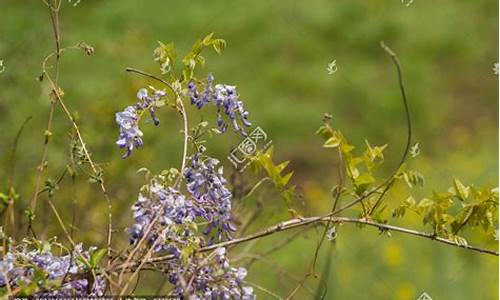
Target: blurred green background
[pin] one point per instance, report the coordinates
(277, 55)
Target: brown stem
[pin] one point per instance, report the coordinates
(300, 222)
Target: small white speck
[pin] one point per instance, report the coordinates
(332, 234)
(495, 68)
(407, 3)
(332, 67)
(424, 296)
(74, 2)
(415, 150)
(2, 67)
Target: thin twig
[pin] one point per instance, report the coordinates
(143, 261)
(300, 222)
(61, 223)
(10, 213)
(334, 206)
(54, 17)
(91, 162)
(312, 267)
(408, 138)
(12, 159)
(182, 110)
(395, 59)
(131, 255)
(133, 70)
(57, 97)
(186, 136)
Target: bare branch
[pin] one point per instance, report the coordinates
(300, 222)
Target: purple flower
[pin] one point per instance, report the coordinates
(225, 99)
(210, 278)
(130, 134)
(162, 212)
(200, 99)
(128, 120)
(150, 102)
(19, 264)
(206, 183)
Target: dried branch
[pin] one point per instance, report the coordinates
(56, 97)
(300, 222)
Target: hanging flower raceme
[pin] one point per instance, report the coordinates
(37, 268)
(209, 277)
(130, 135)
(200, 99)
(162, 217)
(206, 183)
(128, 120)
(150, 102)
(226, 100)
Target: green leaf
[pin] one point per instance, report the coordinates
(375, 152)
(363, 181)
(264, 160)
(461, 191)
(412, 178)
(332, 142)
(4, 198)
(193, 58)
(165, 55)
(96, 257)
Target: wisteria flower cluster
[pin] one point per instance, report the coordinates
(39, 270)
(209, 278)
(206, 183)
(162, 217)
(128, 120)
(165, 219)
(226, 100)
